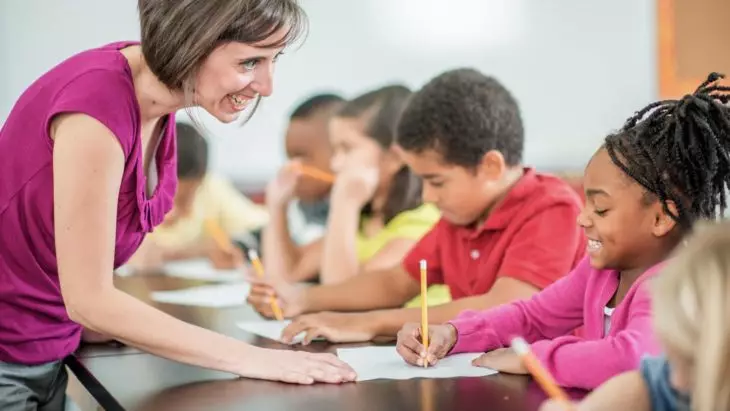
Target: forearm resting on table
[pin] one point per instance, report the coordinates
(368, 291)
(126, 319)
(505, 290)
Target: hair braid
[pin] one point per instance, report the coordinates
(679, 151)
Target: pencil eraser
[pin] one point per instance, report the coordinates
(423, 264)
(252, 254)
(520, 346)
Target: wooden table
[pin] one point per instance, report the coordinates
(123, 378)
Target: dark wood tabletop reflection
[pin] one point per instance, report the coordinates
(124, 378)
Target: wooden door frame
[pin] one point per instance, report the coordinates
(671, 85)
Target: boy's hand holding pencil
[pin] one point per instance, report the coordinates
(258, 268)
(219, 249)
(289, 297)
(223, 258)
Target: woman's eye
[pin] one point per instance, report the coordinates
(250, 64)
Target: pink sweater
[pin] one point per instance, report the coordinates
(548, 319)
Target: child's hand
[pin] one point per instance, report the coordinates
(280, 190)
(289, 297)
(223, 259)
(502, 360)
(557, 405)
(440, 341)
(334, 327)
(356, 183)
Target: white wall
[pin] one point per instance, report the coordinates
(578, 67)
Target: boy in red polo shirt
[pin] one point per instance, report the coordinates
(506, 231)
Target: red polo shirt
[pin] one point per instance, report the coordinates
(532, 236)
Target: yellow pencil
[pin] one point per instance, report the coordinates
(315, 173)
(259, 268)
(539, 373)
(424, 310)
(219, 236)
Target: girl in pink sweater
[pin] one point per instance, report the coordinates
(645, 187)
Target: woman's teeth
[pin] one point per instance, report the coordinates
(239, 103)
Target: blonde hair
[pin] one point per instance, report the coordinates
(692, 313)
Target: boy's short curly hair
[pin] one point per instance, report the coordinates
(463, 114)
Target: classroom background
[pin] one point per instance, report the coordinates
(577, 68)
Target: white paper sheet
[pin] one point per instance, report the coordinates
(267, 329)
(218, 295)
(270, 329)
(373, 363)
(124, 271)
(201, 269)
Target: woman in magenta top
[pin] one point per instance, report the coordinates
(667, 168)
(87, 167)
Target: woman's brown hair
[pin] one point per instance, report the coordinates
(177, 35)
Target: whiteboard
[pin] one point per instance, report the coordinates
(577, 67)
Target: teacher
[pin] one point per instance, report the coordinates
(87, 168)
